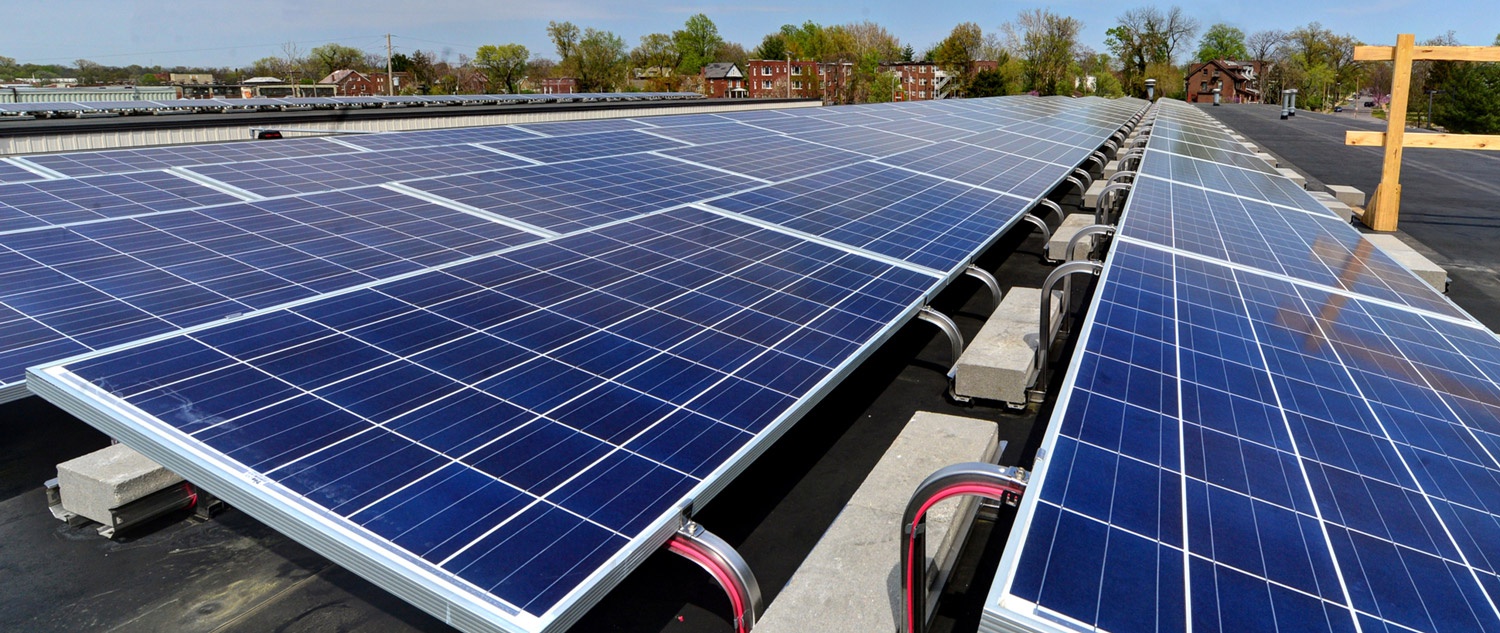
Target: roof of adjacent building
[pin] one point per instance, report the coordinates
(722, 70)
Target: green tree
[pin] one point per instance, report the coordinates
(657, 58)
(564, 36)
(956, 54)
(1222, 41)
(698, 43)
(772, 46)
(1144, 37)
(601, 61)
(1470, 102)
(1045, 41)
(333, 56)
(988, 83)
(504, 65)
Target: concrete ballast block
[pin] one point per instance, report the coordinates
(1407, 256)
(1110, 168)
(1064, 233)
(850, 582)
(1270, 160)
(1091, 197)
(1000, 363)
(1293, 175)
(1254, 149)
(108, 478)
(1347, 195)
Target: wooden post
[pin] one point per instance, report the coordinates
(1385, 204)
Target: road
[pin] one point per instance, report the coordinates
(1450, 201)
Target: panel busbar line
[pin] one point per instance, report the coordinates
(1241, 448)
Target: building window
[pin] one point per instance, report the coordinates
(765, 70)
(797, 85)
(765, 84)
(924, 81)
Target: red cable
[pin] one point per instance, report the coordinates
(723, 576)
(912, 584)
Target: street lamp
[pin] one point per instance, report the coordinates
(1430, 92)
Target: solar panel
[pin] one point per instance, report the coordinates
(59, 202)
(980, 167)
(69, 290)
(1255, 185)
(920, 128)
(572, 196)
(721, 132)
(270, 178)
(1014, 142)
(424, 138)
(869, 142)
(569, 128)
(11, 172)
(922, 220)
(581, 146)
(547, 430)
(152, 158)
(1241, 446)
(497, 437)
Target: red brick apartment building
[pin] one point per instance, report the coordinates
(351, 83)
(767, 79)
(559, 85)
(916, 81)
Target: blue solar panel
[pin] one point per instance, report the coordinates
(708, 133)
(794, 125)
(1166, 143)
(773, 159)
(1030, 146)
(919, 219)
(65, 291)
(1250, 184)
(569, 128)
(1238, 451)
(545, 427)
(10, 172)
(581, 146)
(921, 129)
(428, 138)
(977, 166)
(1313, 248)
(571, 196)
(866, 141)
(289, 176)
(150, 158)
(61, 202)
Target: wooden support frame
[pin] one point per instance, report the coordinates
(1385, 202)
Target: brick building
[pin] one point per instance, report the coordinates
(351, 83)
(1237, 81)
(559, 85)
(723, 80)
(916, 81)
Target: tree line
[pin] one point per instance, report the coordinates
(1037, 52)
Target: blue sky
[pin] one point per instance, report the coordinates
(213, 33)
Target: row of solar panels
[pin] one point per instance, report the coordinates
(201, 229)
(500, 434)
(288, 103)
(1271, 425)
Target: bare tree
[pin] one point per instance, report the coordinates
(1045, 41)
(1178, 31)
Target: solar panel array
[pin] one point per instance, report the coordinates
(272, 103)
(499, 425)
(1269, 426)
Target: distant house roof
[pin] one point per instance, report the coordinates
(722, 70)
(338, 76)
(263, 80)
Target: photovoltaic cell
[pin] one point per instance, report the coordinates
(581, 146)
(60, 202)
(9, 172)
(66, 291)
(893, 212)
(570, 128)
(708, 133)
(152, 158)
(542, 404)
(774, 158)
(1218, 177)
(571, 196)
(869, 142)
(427, 138)
(981, 167)
(327, 173)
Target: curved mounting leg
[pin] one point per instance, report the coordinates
(1098, 158)
(1041, 225)
(1053, 206)
(955, 337)
(989, 281)
(1085, 232)
(1003, 484)
(1073, 180)
(1083, 175)
(1120, 175)
(1107, 200)
(1044, 335)
(726, 566)
(1113, 145)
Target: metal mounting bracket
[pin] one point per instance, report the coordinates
(1054, 207)
(1106, 200)
(955, 337)
(989, 281)
(727, 567)
(1044, 335)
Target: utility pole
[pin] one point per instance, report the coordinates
(390, 75)
(788, 75)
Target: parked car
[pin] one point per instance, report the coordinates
(1369, 104)
(1338, 108)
